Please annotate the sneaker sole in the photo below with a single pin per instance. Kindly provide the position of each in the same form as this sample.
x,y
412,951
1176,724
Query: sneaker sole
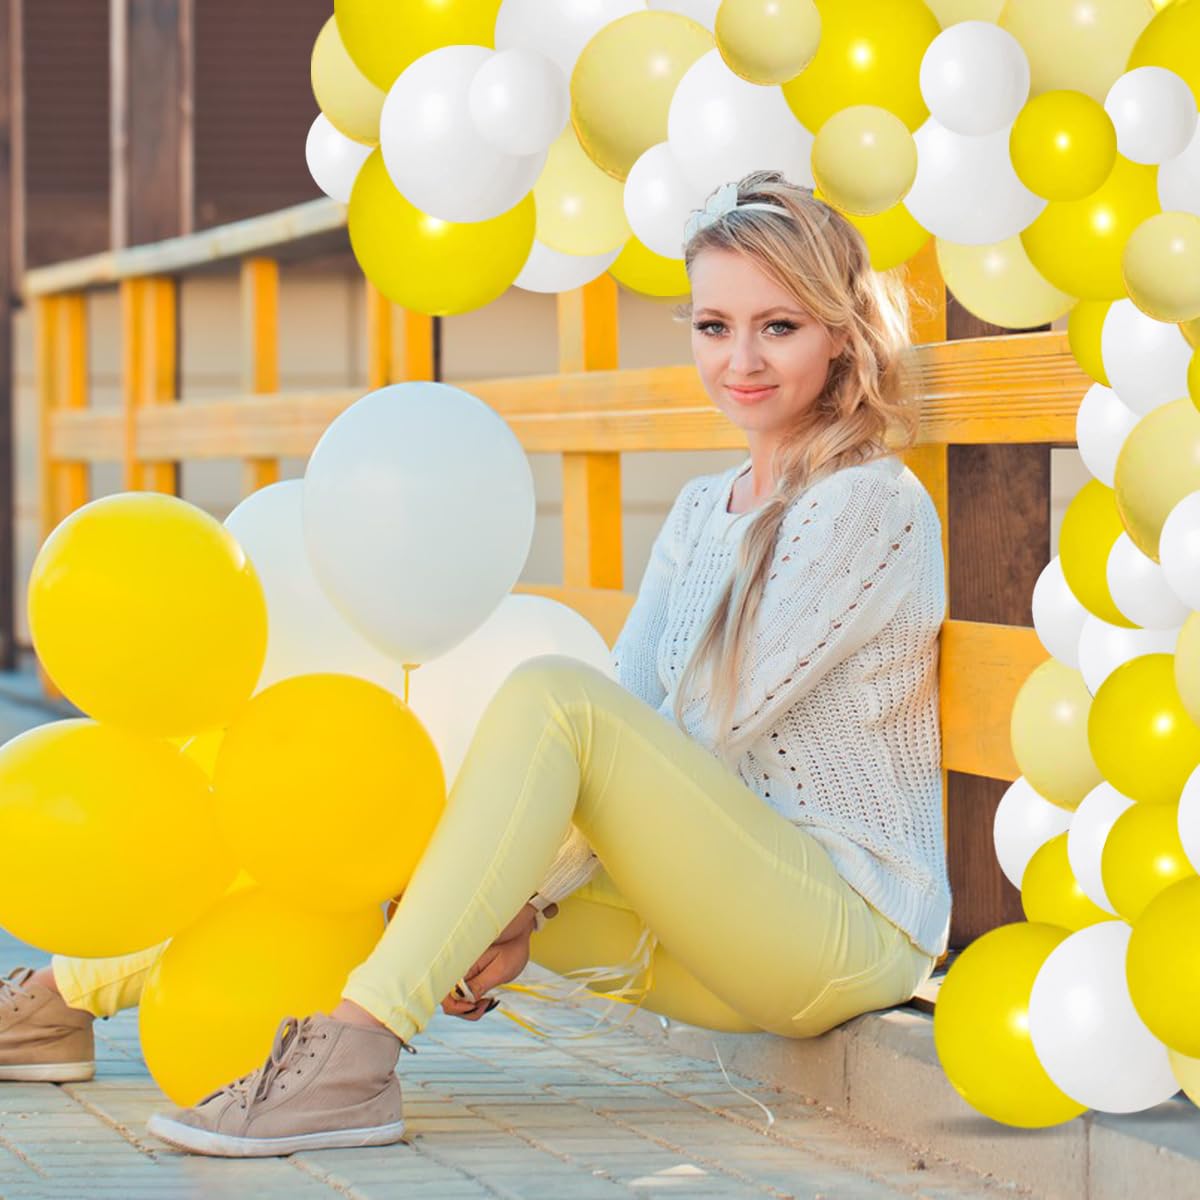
x,y
76,1072
202,1141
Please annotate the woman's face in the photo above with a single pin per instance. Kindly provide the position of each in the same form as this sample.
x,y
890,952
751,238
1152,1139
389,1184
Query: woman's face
x,y
748,332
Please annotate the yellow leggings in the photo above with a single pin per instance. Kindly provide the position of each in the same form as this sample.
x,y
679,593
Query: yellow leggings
x,y
754,927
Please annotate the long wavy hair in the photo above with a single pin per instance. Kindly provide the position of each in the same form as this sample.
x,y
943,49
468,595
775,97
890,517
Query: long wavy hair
x,y
868,408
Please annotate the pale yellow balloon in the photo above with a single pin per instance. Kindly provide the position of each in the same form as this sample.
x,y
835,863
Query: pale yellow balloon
x,y
1158,465
1191,331
767,42
1187,666
999,284
1078,44
624,81
350,101
1161,265
950,12
1186,1070
580,208
864,159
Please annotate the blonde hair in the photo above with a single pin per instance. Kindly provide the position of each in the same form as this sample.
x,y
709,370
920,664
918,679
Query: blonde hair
x,y
821,260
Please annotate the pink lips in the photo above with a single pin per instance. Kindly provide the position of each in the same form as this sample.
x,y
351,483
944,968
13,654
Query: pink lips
x,y
749,395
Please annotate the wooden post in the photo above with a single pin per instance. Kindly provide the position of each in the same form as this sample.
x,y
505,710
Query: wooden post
x,y
150,372
588,341
260,351
401,344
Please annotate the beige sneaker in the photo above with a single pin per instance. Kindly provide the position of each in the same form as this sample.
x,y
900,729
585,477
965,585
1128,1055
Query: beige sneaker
x,y
325,1084
42,1039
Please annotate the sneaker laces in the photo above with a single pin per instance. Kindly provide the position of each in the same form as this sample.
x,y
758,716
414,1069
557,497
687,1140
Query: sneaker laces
x,y
11,986
291,1035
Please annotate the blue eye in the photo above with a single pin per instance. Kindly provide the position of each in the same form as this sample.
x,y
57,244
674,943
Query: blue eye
x,y
704,326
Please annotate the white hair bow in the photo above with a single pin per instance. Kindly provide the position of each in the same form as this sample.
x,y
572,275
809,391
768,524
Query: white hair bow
x,y
723,200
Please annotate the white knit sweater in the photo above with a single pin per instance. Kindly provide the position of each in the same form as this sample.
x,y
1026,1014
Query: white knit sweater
x,y
836,723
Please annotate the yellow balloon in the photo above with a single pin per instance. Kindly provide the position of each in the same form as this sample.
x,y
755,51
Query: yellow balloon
x,y
950,12
1090,527
1162,966
146,612
1142,855
1077,44
110,838
328,788
1187,665
870,53
1049,734
767,42
349,100
1159,464
1191,331
623,83
1193,378
1161,262
981,1028
864,159
641,270
1187,1074
202,749
1051,894
1077,244
385,36
580,209
1170,40
1063,145
892,237
429,265
999,284
1083,334
1140,734
214,999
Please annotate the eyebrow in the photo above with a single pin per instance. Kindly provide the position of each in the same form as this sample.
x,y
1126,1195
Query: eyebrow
x,y
716,312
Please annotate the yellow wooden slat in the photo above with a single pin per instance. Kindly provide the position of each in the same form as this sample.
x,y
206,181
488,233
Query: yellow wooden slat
x,y
260,353
399,341
926,295
160,370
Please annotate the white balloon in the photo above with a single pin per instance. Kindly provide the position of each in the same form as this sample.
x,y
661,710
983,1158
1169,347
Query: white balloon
x,y
435,156
703,12
1189,818
1058,616
1024,822
1154,113
450,695
306,634
1104,647
721,127
519,101
658,199
1179,550
1085,1031
975,77
1102,423
559,29
418,515
1179,179
1090,826
1146,361
1140,589
334,160
966,189
547,270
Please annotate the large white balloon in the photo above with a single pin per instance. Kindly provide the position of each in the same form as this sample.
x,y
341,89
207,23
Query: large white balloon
x,y
1179,179
1090,826
559,29
306,634
435,156
975,77
1154,113
1179,550
1058,616
658,200
334,160
1146,361
418,515
548,270
1104,647
703,12
721,127
1085,1031
1140,589
519,101
1189,818
966,189
1024,822
450,695
1102,423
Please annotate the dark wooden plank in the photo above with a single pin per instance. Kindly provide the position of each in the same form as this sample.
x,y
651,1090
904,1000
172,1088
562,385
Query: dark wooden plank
x,y
999,540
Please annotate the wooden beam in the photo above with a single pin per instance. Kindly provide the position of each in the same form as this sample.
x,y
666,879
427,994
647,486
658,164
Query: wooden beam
x,y
402,344
260,352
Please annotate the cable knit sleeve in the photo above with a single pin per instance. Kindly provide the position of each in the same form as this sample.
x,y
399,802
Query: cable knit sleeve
x,y
844,560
